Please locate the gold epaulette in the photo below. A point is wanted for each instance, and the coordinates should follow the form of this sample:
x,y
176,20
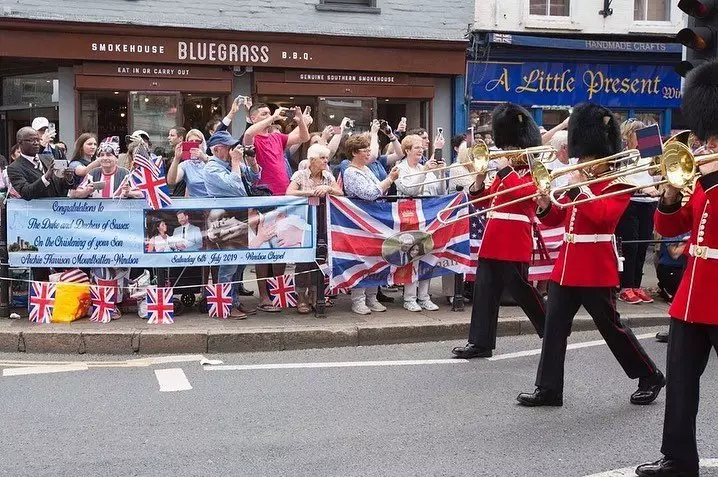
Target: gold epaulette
x,y
618,183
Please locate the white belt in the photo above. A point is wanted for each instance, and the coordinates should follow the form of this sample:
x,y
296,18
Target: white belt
x,y
587,238
701,251
505,216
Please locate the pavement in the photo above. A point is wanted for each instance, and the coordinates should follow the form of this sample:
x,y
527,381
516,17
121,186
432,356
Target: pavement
x,y
389,410
193,332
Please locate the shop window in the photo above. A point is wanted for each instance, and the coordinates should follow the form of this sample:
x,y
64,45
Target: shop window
x,y
652,10
155,113
552,8
360,110
354,6
649,117
199,110
480,120
104,113
24,90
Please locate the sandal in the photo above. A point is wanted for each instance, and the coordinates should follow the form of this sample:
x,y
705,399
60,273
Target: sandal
x,y
269,308
303,309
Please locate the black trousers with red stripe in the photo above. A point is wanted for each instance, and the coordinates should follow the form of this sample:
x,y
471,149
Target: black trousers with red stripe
x,y
491,278
600,302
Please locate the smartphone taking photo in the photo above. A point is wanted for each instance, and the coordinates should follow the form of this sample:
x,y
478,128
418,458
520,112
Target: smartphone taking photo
x,y
59,167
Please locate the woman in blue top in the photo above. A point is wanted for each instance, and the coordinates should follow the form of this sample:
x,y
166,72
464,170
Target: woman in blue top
x,y
191,170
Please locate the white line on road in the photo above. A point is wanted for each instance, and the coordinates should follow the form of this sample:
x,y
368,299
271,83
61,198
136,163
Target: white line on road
x,y
631,471
533,352
172,379
345,364
59,368
129,363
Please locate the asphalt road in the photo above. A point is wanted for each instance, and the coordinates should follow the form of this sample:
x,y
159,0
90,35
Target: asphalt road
x,y
433,418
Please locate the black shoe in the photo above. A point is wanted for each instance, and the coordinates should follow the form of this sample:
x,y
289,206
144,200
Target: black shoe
x,y
648,389
470,351
664,468
383,298
540,397
662,337
244,292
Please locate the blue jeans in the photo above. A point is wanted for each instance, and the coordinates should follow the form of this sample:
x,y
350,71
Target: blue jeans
x,y
230,273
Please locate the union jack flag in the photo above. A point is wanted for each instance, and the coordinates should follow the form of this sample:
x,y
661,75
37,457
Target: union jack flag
x,y
103,304
41,302
160,309
109,283
219,299
153,187
281,289
359,232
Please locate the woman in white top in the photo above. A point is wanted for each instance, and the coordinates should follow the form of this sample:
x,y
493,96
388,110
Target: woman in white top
x,y
636,224
161,241
416,295
467,167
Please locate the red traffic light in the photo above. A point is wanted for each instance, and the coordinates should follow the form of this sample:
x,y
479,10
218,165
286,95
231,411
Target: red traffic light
x,y
698,38
696,8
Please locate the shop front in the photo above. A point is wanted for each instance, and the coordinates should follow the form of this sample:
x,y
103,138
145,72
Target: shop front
x,y
83,81
640,83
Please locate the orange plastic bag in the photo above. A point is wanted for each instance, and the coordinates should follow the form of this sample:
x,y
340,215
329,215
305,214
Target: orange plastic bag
x,y
72,301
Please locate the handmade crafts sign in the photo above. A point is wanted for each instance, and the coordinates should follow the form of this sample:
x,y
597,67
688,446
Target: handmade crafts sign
x,y
85,233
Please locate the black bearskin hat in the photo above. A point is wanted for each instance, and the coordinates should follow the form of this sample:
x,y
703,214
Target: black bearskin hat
x,y
593,131
700,100
513,126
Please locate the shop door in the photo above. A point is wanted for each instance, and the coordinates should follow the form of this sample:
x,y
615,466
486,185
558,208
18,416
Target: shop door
x,y
155,113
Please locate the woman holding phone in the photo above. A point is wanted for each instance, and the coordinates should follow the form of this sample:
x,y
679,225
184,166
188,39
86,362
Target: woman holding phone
x,y
188,164
103,178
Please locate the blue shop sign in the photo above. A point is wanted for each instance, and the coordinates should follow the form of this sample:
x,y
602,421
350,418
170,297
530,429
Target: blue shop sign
x,y
617,86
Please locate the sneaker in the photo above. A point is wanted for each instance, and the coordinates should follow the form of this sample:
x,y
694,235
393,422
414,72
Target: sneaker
x,y
412,305
629,296
428,305
643,295
374,305
361,309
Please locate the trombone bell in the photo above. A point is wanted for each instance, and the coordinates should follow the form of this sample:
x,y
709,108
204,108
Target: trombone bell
x,y
678,164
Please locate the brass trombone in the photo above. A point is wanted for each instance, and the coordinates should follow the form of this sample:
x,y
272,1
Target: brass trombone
x,y
542,180
480,157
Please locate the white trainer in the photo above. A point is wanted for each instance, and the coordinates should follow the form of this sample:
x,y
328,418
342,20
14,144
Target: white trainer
x,y
361,309
374,305
412,305
428,305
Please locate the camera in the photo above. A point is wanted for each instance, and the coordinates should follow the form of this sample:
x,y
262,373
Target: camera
x,y
250,151
384,127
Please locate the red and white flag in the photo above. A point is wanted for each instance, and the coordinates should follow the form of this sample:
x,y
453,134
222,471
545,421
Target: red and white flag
x,y
219,300
103,304
160,308
41,302
281,290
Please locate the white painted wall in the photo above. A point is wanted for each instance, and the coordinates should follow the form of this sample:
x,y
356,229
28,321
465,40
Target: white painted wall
x,y
513,16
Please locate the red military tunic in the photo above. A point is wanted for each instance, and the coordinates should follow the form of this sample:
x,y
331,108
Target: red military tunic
x,y
508,233
588,264
694,300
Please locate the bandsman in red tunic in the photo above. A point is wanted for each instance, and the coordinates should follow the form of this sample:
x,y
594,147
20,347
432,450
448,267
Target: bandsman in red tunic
x,y
586,271
507,242
694,324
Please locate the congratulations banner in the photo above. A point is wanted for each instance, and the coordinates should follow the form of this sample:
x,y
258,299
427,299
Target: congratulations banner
x,y
193,232
544,83
388,243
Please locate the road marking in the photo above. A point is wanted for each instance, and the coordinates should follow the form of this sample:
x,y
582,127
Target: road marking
x,y
534,352
44,369
130,363
344,364
172,379
631,471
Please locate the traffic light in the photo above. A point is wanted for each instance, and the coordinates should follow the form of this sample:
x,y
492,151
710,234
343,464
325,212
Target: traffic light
x,y
701,35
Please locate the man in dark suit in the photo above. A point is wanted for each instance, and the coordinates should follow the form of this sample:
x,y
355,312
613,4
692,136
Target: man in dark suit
x,y
32,175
